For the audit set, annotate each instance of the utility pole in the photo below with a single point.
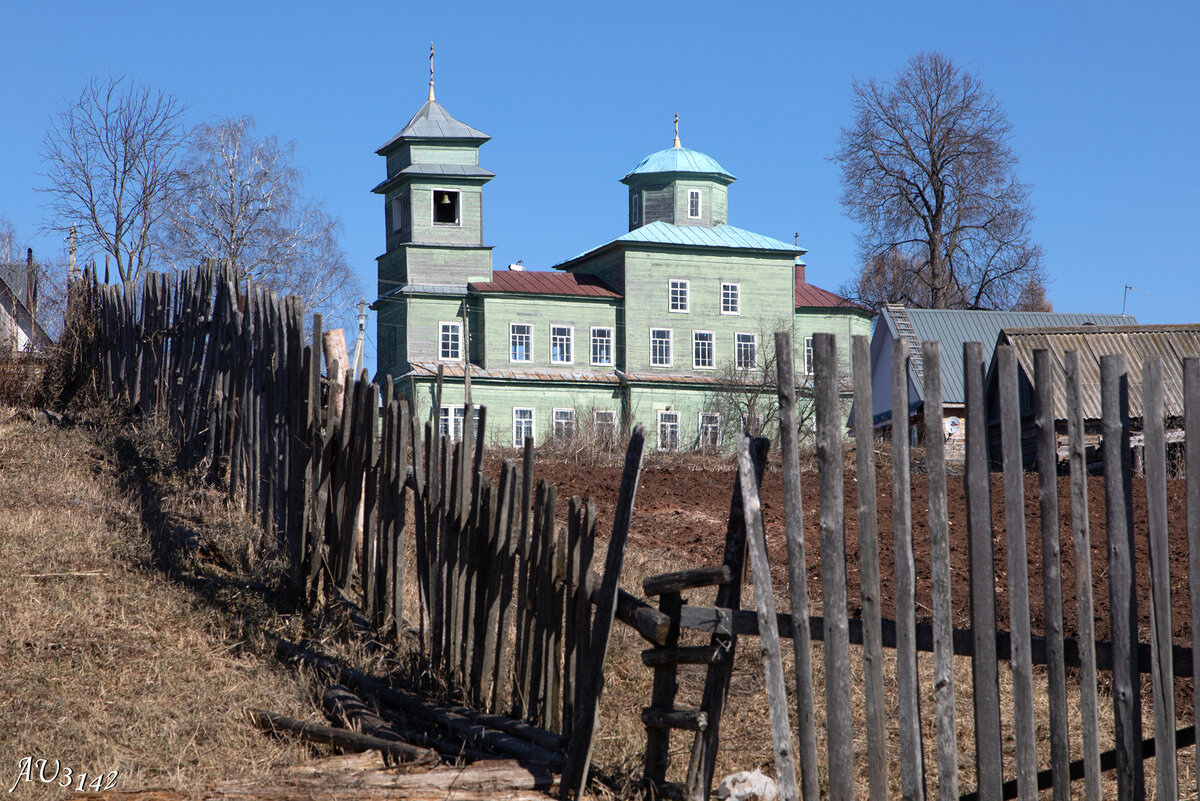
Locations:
(358, 343)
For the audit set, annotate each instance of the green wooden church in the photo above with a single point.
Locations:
(669, 325)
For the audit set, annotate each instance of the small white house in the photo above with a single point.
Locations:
(20, 331)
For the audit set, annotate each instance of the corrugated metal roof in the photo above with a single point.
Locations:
(433, 122)
(718, 236)
(422, 289)
(953, 327)
(679, 159)
(1173, 343)
(811, 296)
(538, 282)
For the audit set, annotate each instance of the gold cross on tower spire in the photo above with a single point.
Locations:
(431, 71)
(677, 130)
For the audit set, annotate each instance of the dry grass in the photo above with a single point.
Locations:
(112, 663)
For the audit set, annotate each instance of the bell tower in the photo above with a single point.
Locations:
(433, 202)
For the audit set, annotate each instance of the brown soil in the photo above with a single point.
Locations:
(682, 513)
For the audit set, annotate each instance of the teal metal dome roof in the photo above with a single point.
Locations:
(680, 160)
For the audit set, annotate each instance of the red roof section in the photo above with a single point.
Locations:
(545, 283)
(809, 295)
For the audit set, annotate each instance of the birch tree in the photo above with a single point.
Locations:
(928, 170)
(110, 157)
(243, 201)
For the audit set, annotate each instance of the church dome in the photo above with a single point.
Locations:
(676, 160)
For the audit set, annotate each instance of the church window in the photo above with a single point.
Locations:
(808, 355)
(521, 342)
(445, 207)
(660, 347)
(561, 344)
(522, 426)
(746, 354)
(450, 342)
(397, 213)
(450, 421)
(678, 291)
(635, 208)
(602, 346)
(702, 350)
(694, 204)
(730, 299)
(668, 431)
(564, 424)
(604, 426)
(710, 432)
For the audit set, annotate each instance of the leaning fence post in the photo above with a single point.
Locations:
(1191, 406)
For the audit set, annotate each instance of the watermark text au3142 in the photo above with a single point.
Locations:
(48, 771)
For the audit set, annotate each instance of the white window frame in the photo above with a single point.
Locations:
(458, 338)
(737, 297)
(555, 423)
(594, 340)
(520, 442)
(454, 416)
(699, 207)
(678, 430)
(737, 350)
(635, 203)
(433, 208)
(715, 426)
(611, 414)
(684, 286)
(808, 355)
(670, 340)
(570, 343)
(712, 351)
(528, 343)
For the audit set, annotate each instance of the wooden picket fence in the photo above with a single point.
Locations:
(512, 618)
(1125, 657)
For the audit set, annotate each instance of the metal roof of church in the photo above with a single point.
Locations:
(679, 159)
(538, 282)
(433, 122)
(718, 236)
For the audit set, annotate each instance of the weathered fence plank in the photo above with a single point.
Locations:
(1191, 396)
(868, 564)
(1024, 732)
(939, 546)
(1122, 581)
(1060, 756)
(912, 762)
(806, 729)
(1166, 780)
(989, 776)
(1081, 545)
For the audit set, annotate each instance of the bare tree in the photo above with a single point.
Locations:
(243, 201)
(110, 158)
(746, 397)
(928, 170)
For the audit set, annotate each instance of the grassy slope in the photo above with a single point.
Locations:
(109, 662)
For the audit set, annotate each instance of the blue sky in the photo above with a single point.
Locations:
(1103, 98)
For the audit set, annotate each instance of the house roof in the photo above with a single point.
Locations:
(1173, 343)
(433, 122)
(811, 296)
(717, 236)
(537, 282)
(680, 160)
(953, 327)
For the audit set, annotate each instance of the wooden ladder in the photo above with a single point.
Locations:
(899, 316)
